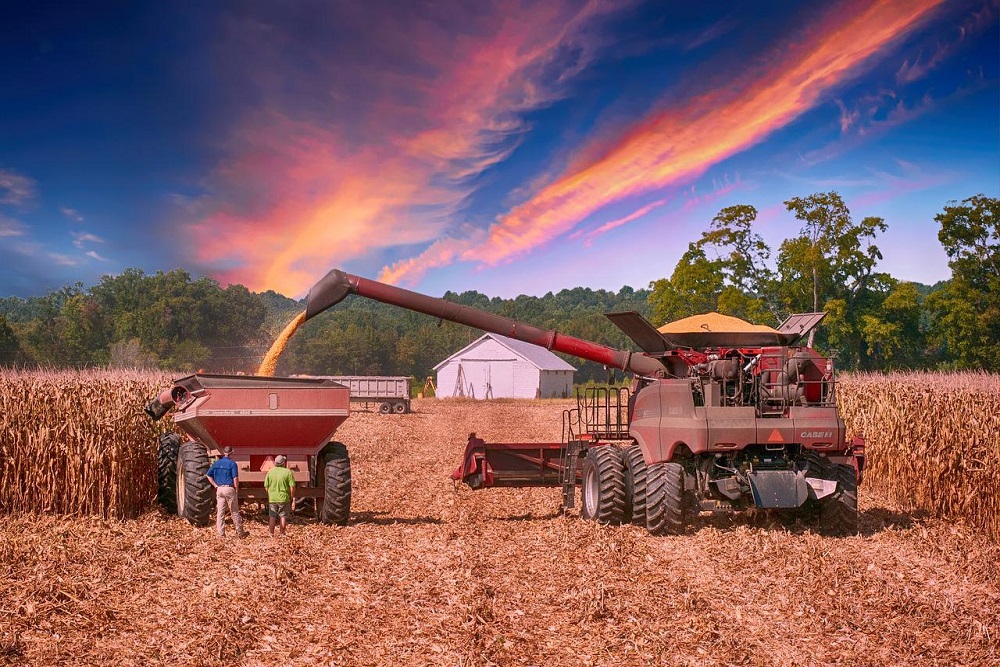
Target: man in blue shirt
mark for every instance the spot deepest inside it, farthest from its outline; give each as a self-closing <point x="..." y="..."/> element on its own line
<point x="225" y="477"/>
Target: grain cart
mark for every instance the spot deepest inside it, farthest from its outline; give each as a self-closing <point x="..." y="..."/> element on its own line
<point x="714" y="421"/>
<point x="259" y="417"/>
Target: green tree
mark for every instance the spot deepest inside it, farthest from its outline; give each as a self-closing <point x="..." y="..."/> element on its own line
<point x="10" y="346"/>
<point x="832" y="259"/>
<point x="966" y="312"/>
<point x="693" y="287"/>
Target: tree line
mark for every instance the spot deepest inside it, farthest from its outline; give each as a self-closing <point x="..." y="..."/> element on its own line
<point x="175" y="321"/>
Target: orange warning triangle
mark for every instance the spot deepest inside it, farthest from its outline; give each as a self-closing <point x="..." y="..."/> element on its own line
<point x="775" y="436"/>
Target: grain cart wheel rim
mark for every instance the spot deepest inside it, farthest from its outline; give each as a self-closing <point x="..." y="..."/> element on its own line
<point x="603" y="488"/>
<point x="385" y="408"/>
<point x="194" y="492"/>
<point x="399" y="408"/>
<point x="666" y="506"/>
<point x="336" y="507"/>
<point x="166" y="471"/>
<point x="636" y="473"/>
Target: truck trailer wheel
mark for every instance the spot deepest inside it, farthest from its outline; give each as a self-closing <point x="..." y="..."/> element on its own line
<point x="194" y="491"/>
<point x="666" y="509"/>
<point x="336" y="508"/>
<point x="635" y="485"/>
<point x="385" y="408"/>
<point x="602" y="495"/>
<point x="166" y="471"/>
<point x="399" y="408"/>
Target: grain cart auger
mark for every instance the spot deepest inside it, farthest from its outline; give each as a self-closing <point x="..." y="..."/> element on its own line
<point x="714" y="421"/>
<point x="259" y="417"/>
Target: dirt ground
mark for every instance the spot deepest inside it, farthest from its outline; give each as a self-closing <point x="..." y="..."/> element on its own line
<point x="430" y="574"/>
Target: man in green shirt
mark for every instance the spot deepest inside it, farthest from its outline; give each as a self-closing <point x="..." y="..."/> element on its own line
<point x="280" y="487"/>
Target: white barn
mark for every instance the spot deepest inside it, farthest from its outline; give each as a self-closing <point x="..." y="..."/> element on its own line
<point x="495" y="366"/>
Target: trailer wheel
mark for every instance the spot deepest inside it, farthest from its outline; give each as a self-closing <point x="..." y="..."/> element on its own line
<point x="666" y="509"/>
<point x="194" y="491"/>
<point x="602" y="494"/>
<point x="166" y="471"/>
<point x="838" y="512"/>
<point x="399" y="408"/>
<point x="336" y="508"/>
<point x="636" y="473"/>
<point x="385" y="408"/>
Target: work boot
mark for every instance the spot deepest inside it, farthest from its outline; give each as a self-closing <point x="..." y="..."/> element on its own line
<point x="243" y="533"/>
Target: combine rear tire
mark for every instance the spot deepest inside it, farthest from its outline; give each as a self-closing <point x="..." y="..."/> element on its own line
<point x="666" y="506"/>
<point x="635" y="485"/>
<point x="166" y="471"/>
<point x="336" y="508"/>
<point x="838" y="512"/>
<point x="602" y="495"/>
<point x="195" y="495"/>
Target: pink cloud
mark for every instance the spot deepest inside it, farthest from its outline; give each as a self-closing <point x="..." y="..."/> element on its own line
<point x="299" y="193"/>
<point x="678" y="144"/>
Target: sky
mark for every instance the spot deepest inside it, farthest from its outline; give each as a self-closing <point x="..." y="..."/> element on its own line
<point x="509" y="147"/>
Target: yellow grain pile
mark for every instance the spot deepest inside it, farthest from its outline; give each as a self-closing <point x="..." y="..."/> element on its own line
<point x="78" y="442"/>
<point x="714" y="322"/>
<point x="270" y="361"/>
<point x="933" y="440"/>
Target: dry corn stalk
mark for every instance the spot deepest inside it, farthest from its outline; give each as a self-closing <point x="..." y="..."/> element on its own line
<point x="78" y="442"/>
<point x="933" y="440"/>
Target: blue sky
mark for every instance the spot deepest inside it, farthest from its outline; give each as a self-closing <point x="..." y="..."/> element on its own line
<point x="506" y="147"/>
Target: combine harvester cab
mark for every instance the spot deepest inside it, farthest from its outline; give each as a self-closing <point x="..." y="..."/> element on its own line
<point x="259" y="417"/>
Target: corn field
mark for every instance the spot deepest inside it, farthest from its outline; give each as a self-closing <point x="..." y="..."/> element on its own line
<point x="78" y="442"/>
<point x="933" y="441"/>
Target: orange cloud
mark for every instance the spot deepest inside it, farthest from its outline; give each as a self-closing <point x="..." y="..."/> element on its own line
<point x="677" y="145"/>
<point x="301" y="192"/>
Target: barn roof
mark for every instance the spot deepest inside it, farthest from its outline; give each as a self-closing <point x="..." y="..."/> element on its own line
<point x="538" y="356"/>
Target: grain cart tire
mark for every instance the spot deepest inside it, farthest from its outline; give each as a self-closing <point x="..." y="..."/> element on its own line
<point x="336" y="508"/>
<point x="166" y="471"/>
<point x="666" y="506"/>
<point x="195" y="495"/>
<point x="399" y="408"/>
<point x="602" y="493"/>
<point x="385" y="408"/>
<point x="636" y="473"/>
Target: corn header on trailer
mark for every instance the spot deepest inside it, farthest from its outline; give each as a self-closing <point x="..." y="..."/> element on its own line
<point x="713" y="421"/>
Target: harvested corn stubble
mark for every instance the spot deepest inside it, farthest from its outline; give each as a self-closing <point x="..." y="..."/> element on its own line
<point x="428" y="573"/>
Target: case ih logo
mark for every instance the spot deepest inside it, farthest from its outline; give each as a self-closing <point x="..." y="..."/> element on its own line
<point x="816" y="434"/>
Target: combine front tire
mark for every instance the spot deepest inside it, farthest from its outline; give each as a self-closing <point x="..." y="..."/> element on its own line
<point x="194" y="491"/>
<point x="666" y="506"/>
<point x="636" y="473"/>
<point x="602" y="494"/>
<point x="166" y="471"/>
<point x="336" y="508"/>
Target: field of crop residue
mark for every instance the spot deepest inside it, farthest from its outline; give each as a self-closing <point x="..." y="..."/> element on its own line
<point x="430" y="574"/>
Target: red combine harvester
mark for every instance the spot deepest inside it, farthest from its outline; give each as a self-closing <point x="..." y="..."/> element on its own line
<point x="259" y="417"/>
<point x="713" y="421"/>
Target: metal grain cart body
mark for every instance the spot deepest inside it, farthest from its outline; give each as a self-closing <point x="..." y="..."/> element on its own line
<point x="388" y="394"/>
<point x="714" y="421"/>
<point x="259" y="417"/>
